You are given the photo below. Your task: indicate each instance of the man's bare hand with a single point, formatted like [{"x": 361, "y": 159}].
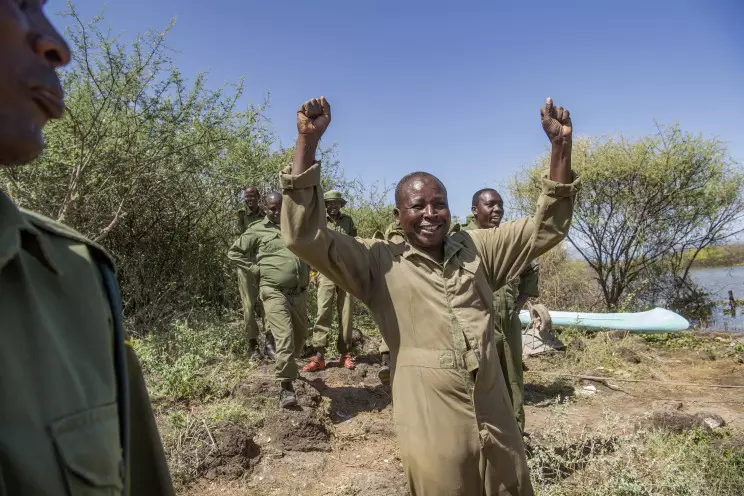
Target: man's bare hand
[
  {"x": 313, "y": 118},
  {"x": 556, "y": 122}
]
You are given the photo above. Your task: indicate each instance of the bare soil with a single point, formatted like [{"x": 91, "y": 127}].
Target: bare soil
[{"x": 340, "y": 440}]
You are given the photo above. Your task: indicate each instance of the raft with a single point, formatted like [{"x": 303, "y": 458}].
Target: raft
[{"x": 656, "y": 320}]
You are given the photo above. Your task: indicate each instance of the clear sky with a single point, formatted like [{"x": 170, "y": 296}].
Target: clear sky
[{"x": 454, "y": 88}]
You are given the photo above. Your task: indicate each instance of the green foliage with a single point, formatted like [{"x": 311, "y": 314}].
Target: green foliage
[
  {"x": 151, "y": 166},
  {"x": 645, "y": 211},
  {"x": 195, "y": 359},
  {"x": 370, "y": 208},
  {"x": 719, "y": 256}
]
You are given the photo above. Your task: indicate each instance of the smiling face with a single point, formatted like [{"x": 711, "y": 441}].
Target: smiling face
[
  {"x": 30, "y": 91},
  {"x": 333, "y": 208},
  {"x": 251, "y": 198},
  {"x": 488, "y": 209},
  {"x": 423, "y": 212}
]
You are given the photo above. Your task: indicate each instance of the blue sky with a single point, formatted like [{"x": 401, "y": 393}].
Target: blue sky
[{"x": 454, "y": 88}]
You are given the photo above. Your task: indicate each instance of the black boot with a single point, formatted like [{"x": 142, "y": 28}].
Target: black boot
[
  {"x": 287, "y": 397},
  {"x": 253, "y": 348},
  {"x": 384, "y": 373},
  {"x": 270, "y": 347}
]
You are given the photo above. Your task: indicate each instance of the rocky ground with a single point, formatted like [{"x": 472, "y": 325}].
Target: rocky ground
[{"x": 340, "y": 440}]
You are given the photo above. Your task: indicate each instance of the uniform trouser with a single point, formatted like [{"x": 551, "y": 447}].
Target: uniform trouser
[
  {"x": 446, "y": 450},
  {"x": 286, "y": 314},
  {"x": 345, "y": 309},
  {"x": 248, "y": 287},
  {"x": 513, "y": 335}
]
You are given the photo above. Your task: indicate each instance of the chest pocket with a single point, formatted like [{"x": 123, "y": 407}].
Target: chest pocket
[
  {"x": 88, "y": 446},
  {"x": 272, "y": 243}
]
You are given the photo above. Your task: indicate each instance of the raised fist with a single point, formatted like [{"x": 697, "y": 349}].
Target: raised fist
[
  {"x": 556, "y": 122},
  {"x": 313, "y": 118}
]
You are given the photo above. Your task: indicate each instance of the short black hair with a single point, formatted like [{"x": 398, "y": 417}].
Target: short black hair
[
  {"x": 272, "y": 194},
  {"x": 477, "y": 194},
  {"x": 410, "y": 177}
]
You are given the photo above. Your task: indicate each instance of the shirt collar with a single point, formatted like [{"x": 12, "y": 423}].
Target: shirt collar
[
  {"x": 451, "y": 248},
  {"x": 17, "y": 233},
  {"x": 268, "y": 222}
]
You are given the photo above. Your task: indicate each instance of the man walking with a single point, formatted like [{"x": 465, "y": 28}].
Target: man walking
[
  {"x": 282, "y": 288},
  {"x": 327, "y": 291},
  {"x": 250, "y": 213}
]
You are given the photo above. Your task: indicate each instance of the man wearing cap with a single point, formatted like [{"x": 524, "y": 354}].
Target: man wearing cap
[
  {"x": 487, "y": 213},
  {"x": 339, "y": 222}
]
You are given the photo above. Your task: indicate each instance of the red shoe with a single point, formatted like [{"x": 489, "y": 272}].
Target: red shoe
[
  {"x": 347, "y": 361},
  {"x": 314, "y": 365}
]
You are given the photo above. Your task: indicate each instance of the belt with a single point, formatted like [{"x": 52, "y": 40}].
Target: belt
[
  {"x": 292, "y": 291},
  {"x": 437, "y": 359}
]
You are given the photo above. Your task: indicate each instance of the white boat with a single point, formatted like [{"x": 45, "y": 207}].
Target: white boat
[{"x": 656, "y": 320}]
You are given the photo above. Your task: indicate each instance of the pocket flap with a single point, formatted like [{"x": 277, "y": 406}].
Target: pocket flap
[{"x": 88, "y": 444}]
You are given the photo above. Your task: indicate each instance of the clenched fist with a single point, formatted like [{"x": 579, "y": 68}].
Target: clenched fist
[
  {"x": 313, "y": 118},
  {"x": 556, "y": 122}
]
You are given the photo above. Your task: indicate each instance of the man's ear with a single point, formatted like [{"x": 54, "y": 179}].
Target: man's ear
[
  {"x": 473, "y": 209},
  {"x": 396, "y": 214}
]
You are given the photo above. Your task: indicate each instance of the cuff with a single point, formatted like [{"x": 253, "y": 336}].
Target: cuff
[
  {"x": 560, "y": 190},
  {"x": 307, "y": 179}
]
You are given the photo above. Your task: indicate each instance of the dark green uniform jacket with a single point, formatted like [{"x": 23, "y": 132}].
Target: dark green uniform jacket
[{"x": 60, "y": 429}]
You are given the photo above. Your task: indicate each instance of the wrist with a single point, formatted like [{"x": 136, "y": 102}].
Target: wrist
[
  {"x": 307, "y": 143},
  {"x": 304, "y": 155}
]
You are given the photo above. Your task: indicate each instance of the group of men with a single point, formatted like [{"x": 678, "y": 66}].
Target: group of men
[
  {"x": 76, "y": 417},
  {"x": 273, "y": 284},
  {"x": 252, "y": 253}
]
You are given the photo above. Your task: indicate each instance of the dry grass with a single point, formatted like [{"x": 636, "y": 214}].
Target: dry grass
[{"x": 598, "y": 462}]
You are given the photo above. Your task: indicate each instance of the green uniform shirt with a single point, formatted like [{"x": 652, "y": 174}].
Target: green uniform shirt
[
  {"x": 344, "y": 224},
  {"x": 261, "y": 251},
  {"x": 246, "y": 217},
  {"x": 59, "y": 422}
]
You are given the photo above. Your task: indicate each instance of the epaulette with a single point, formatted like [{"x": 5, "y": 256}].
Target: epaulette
[
  {"x": 253, "y": 223},
  {"x": 58, "y": 229}
]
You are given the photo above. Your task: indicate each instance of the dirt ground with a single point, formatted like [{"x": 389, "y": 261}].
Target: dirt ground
[{"x": 341, "y": 439}]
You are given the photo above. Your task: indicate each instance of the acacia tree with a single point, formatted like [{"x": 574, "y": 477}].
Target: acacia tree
[
  {"x": 647, "y": 208},
  {"x": 148, "y": 165}
]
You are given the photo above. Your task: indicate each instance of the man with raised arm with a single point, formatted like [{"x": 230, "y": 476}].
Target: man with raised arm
[{"x": 432, "y": 297}]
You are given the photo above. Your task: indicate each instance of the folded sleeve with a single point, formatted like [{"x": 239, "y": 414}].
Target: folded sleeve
[
  {"x": 508, "y": 250},
  {"x": 347, "y": 261}
]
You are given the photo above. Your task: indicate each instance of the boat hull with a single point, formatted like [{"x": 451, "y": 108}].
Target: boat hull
[{"x": 656, "y": 320}]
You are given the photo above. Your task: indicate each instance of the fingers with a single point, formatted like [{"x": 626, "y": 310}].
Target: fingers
[
  {"x": 312, "y": 108},
  {"x": 548, "y": 110},
  {"x": 326, "y": 107}
]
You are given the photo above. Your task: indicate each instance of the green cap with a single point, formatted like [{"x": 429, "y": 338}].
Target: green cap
[{"x": 334, "y": 195}]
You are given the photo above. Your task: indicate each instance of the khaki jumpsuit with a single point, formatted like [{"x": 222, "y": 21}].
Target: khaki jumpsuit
[
  {"x": 283, "y": 280},
  {"x": 247, "y": 284},
  {"x": 453, "y": 416},
  {"x": 59, "y": 412},
  {"x": 344, "y": 302}
]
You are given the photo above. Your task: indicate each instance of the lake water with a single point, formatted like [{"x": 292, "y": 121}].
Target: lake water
[{"x": 718, "y": 281}]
